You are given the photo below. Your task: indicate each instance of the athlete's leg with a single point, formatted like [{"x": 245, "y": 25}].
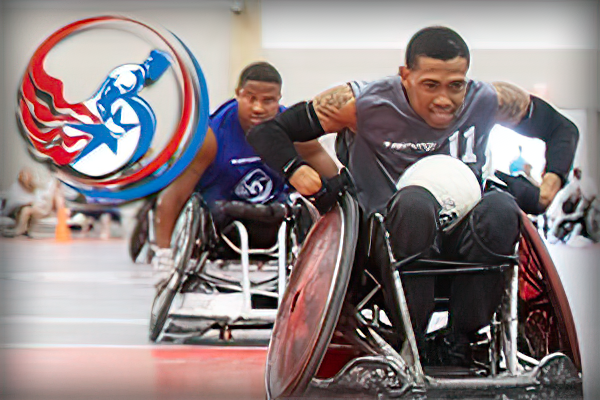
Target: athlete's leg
[
  {"x": 172, "y": 199},
  {"x": 490, "y": 231},
  {"x": 412, "y": 221},
  {"x": 170, "y": 203}
]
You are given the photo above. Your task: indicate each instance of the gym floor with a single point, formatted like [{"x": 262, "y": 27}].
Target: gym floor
[{"x": 75, "y": 326}]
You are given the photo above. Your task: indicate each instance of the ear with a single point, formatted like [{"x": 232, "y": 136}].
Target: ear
[
  {"x": 237, "y": 92},
  {"x": 404, "y": 72}
]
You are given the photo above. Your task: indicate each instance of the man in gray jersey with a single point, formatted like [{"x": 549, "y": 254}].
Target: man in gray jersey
[{"x": 431, "y": 108}]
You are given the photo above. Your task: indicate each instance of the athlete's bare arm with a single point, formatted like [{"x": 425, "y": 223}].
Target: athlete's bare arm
[
  {"x": 336, "y": 110},
  {"x": 317, "y": 157},
  {"x": 513, "y": 103},
  {"x": 172, "y": 199}
]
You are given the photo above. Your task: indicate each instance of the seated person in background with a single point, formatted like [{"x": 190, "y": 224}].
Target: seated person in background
[
  {"x": 28, "y": 201},
  {"x": 431, "y": 108},
  {"x": 226, "y": 167},
  {"x": 20, "y": 193}
]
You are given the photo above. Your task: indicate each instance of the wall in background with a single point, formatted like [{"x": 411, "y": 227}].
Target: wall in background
[{"x": 549, "y": 47}]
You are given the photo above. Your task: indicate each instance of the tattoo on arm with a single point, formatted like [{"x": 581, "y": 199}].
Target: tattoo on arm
[
  {"x": 513, "y": 103},
  {"x": 336, "y": 97},
  {"x": 334, "y": 107}
]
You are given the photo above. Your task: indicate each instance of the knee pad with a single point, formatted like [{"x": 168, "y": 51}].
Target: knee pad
[
  {"x": 413, "y": 206},
  {"x": 495, "y": 223},
  {"x": 412, "y": 220},
  {"x": 414, "y": 198}
]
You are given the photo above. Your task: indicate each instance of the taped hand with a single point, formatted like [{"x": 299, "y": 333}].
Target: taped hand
[
  {"x": 331, "y": 191},
  {"x": 525, "y": 193}
]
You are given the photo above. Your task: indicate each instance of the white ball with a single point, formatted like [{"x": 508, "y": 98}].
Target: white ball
[{"x": 450, "y": 181}]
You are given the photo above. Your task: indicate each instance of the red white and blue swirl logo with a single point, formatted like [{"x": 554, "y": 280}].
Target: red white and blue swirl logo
[{"x": 116, "y": 107}]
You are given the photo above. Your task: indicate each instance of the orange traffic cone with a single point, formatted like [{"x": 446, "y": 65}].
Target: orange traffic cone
[{"x": 62, "y": 232}]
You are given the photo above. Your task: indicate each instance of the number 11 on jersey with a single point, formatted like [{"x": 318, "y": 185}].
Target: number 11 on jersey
[{"x": 469, "y": 144}]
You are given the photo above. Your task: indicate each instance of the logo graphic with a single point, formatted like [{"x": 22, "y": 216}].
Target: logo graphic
[
  {"x": 132, "y": 135},
  {"x": 255, "y": 187},
  {"x": 426, "y": 147}
]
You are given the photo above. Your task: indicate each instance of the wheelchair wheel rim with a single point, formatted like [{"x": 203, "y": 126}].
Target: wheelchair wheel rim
[
  {"x": 182, "y": 243},
  {"x": 312, "y": 302}
]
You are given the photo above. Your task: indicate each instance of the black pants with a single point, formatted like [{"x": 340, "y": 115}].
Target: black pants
[{"x": 492, "y": 229}]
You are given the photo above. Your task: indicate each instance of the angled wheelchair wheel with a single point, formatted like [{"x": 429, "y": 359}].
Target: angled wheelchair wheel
[
  {"x": 139, "y": 238},
  {"x": 544, "y": 313},
  {"x": 182, "y": 243},
  {"x": 140, "y": 234},
  {"x": 160, "y": 309},
  {"x": 312, "y": 302}
]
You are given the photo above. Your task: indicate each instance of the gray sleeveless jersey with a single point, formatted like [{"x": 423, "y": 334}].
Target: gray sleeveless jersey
[{"x": 391, "y": 136}]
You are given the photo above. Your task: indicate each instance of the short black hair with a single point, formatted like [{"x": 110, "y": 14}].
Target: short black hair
[
  {"x": 437, "y": 42},
  {"x": 259, "y": 71}
]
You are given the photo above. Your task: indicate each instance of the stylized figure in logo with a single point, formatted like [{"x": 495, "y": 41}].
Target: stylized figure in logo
[
  {"x": 104, "y": 144},
  {"x": 128, "y": 122},
  {"x": 115, "y": 117}
]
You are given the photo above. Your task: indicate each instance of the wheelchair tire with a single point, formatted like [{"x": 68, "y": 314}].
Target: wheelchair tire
[
  {"x": 162, "y": 303},
  {"x": 140, "y": 233},
  {"x": 182, "y": 243},
  {"x": 312, "y": 303},
  {"x": 138, "y": 239}
]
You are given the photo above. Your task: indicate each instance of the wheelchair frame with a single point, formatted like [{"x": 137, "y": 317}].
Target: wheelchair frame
[
  {"x": 222, "y": 302},
  {"x": 357, "y": 359}
]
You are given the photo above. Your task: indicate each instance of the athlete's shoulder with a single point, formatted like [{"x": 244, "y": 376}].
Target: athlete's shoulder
[
  {"x": 224, "y": 109},
  {"x": 223, "y": 114},
  {"x": 379, "y": 86},
  {"x": 477, "y": 86},
  {"x": 481, "y": 94}
]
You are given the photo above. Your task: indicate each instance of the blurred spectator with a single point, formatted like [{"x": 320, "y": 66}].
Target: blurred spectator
[
  {"x": 28, "y": 201},
  {"x": 520, "y": 166},
  {"x": 19, "y": 194}
]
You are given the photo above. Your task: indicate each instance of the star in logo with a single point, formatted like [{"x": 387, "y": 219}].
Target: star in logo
[{"x": 101, "y": 134}]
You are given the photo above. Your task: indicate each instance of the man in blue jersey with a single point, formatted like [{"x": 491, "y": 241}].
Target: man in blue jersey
[
  {"x": 226, "y": 166},
  {"x": 431, "y": 108}
]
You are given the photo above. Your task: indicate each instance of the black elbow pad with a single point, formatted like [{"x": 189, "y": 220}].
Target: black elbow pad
[
  {"x": 272, "y": 144},
  {"x": 560, "y": 134},
  {"x": 300, "y": 122},
  {"x": 274, "y": 140}
]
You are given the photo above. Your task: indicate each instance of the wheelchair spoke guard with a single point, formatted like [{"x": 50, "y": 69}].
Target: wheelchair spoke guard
[{"x": 312, "y": 302}]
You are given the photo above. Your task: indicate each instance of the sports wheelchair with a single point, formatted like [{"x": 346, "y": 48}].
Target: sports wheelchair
[
  {"x": 230, "y": 267},
  {"x": 343, "y": 329}
]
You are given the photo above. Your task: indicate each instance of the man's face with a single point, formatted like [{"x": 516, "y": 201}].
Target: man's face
[
  {"x": 257, "y": 102},
  {"x": 436, "y": 89}
]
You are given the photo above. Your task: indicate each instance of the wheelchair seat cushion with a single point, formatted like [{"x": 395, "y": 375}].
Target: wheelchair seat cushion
[{"x": 267, "y": 213}]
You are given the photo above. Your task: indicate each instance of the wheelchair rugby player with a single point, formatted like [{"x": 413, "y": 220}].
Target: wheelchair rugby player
[{"x": 447, "y": 286}]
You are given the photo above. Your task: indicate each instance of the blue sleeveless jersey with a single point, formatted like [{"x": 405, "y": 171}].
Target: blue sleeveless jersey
[{"x": 237, "y": 172}]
